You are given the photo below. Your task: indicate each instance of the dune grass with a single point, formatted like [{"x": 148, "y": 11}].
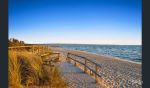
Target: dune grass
[{"x": 26, "y": 70}]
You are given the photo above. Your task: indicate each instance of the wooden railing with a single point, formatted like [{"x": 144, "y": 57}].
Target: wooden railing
[
  {"x": 33, "y": 48},
  {"x": 52, "y": 59},
  {"x": 85, "y": 63},
  {"x": 43, "y": 51},
  {"x": 88, "y": 64}
]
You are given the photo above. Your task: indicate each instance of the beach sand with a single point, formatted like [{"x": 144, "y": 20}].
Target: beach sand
[{"x": 116, "y": 73}]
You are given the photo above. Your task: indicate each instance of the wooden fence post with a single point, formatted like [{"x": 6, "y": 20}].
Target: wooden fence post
[
  {"x": 85, "y": 69},
  {"x": 68, "y": 59},
  {"x": 96, "y": 79},
  {"x": 75, "y": 63}
]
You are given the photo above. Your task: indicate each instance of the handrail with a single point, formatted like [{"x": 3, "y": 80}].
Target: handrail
[
  {"x": 85, "y": 64},
  {"x": 34, "y": 48},
  {"x": 50, "y": 54},
  {"x": 77, "y": 61},
  {"x": 85, "y": 58}
]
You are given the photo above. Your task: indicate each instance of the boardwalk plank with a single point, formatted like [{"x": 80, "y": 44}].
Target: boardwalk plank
[{"x": 75, "y": 77}]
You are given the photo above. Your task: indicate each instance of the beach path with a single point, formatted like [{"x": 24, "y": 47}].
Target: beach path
[
  {"x": 75, "y": 77},
  {"x": 115, "y": 73}
]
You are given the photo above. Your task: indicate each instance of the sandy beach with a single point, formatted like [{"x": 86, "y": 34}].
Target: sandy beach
[{"x": 116, "y": 73}]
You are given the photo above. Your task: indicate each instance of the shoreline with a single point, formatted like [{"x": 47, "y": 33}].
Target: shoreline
[
  {"x": 117, "y": 58},
  {"x": 114, "y": 70},
  {"x": 107, "y": 56}
]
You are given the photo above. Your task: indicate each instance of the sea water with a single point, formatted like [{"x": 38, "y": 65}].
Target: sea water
[{"x": 127, "y": 52}]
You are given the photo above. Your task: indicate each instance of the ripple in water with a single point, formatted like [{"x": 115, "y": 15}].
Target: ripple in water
[{"x": 128, "y": 52}]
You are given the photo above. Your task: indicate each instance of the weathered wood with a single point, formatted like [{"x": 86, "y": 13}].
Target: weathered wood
[
  {"x": 96, "y": 79},
  {"x": 75, "y": 63},
  {"x": 75, "y": 60},
  {"x": 46, "y": 54},
  {"x": 68, "y": 59},
  {"x": 84, "y": 58},
  {"x": 51, "y": 59},
  {"x": 85, "y": 69},
  {"x": 95, "y": 70}
]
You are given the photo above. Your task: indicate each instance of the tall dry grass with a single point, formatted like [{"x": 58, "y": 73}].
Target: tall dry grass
[{"x": 27, "y": 70}]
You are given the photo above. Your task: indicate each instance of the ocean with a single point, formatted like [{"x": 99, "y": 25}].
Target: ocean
[{"x": 127, "y": 52}]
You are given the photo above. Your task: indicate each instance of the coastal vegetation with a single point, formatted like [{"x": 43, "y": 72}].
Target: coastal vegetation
[
  {"x": 26, "y": 70},
  {"x": 15, "y": 42}
]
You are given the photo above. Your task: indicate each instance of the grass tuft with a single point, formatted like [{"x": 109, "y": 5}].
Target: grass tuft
[{"x": 27, "y": 70}]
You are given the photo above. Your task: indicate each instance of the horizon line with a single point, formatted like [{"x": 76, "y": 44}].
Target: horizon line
[{"x": 84, "y": 44}]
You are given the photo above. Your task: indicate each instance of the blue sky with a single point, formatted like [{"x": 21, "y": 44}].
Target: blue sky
[{"x": 76, "y": 21}]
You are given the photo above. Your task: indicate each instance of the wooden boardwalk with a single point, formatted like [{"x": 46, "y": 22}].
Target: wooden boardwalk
[{"x": 75, "y": 77}]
